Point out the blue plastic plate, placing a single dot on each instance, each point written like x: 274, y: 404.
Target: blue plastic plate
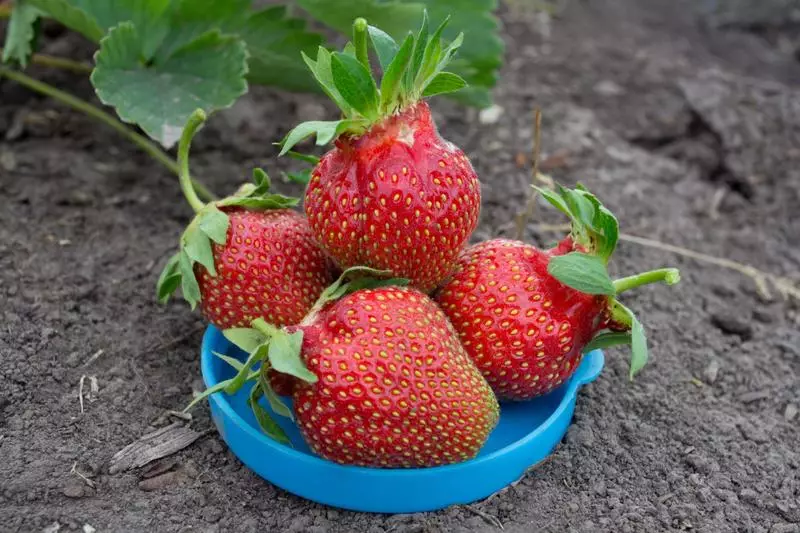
x: 526, y: 434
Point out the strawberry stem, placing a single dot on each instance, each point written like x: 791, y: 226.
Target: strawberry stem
x: 262, y: 326
x: 360, y: 41
x: 192, y: 125
x: 670, y: 276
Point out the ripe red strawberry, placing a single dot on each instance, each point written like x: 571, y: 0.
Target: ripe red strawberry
x: 245, y: 256
x: 527, y: 316
x: 383, y: 382
x: 392, y: 194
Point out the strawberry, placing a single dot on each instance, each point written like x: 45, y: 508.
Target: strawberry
x: 383, y: 380
x: 245, y: 256
x: 391, y: 194
x: 527, y: 316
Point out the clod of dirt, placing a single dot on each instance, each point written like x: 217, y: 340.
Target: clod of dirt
x: 74, y: 489
x: 169, y: 479
x: 711, y: 371
x: 731, y: 323
x: 790, y: 412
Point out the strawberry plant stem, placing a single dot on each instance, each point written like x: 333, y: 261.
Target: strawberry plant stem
x: 192, y: 125
x: 85, y: 107
x: 59, y: 63
x: 360, y: 41
x: 670, y: 276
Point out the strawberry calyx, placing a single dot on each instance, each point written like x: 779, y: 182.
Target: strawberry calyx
x: 412, y: 70
x: 280, y: 349
x: 594, y: 236
x: 210, y: 224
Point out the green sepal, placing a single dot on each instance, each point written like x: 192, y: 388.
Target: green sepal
x: 356, y: 85
x: 324, y: 130
x: 624, y: 317
x: 607, y: 339
x: 213, y: 223
x: 443, y: 83
x: 392, y: 81
x: 256, y: 196
x: 285, y: 355
x: 246, y: 339
x: 420, y: 43
x: 265, y: 421
x: 197, y: 246
x: 321, y: 70
x: 594, y: 227
x: 386, y: 48
x: 169, y: 280
x: 232, y: 361
x: 308, y: 158
x: 582, y: 272
x: 273, y: 399
x: 256, y: 356
x: 354, y: 279
x: 189, y: 285
x: 302, y: 177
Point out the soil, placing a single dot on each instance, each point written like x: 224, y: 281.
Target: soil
x: 684, y: 116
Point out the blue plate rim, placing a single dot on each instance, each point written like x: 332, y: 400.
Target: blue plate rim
x: 219, y: 399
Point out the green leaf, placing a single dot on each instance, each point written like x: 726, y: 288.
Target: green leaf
x: 384, y: 45
x: 214, y: 223
x: 21, y: 33
x: 189, y: 19
x: 273, y: 399
x: 189, y: 286
x: 274, y: 42
x: 285, y: 355
x: 582, y: 272
x: 207, y: 73
x: 197, y: 246
x: 272, y: 201
x: 444, y: 82
x: 265, y: 421
x: 247, y: 339
x: 169, y: 280
x: 355, y: 83
x: 325, y: 131
x: 232, y: 361
x: 392, y: 80
x: 607, y: 339
x: 308, y: 158
x: 236, y: 382
x: 72, y: 16
x: 554, y: 199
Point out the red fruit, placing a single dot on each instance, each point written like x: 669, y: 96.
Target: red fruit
x: 526, y: 316
x: 395, y: 387
x: 523, y: 328
x: 396, y: 198
x: 269, y: 267
x: 392, y: 194
x: 246, y: 256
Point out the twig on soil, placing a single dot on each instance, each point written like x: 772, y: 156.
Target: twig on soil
x: 74, y: 470
x: 141, y: 141
x: 58, y: 62
x: 716, y: 201
x: 523, y: 216
x: 93, y: 358
x: 80, y: 391
x: 784, y: 286
x: 491, y: 519
x: 156, y: 445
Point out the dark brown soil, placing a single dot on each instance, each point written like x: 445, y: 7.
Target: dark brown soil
x: 686, y: 123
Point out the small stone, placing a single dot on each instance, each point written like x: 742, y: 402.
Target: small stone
x: 490, y: 115
x: 211, y: 514
x: 608, y: 88
x: 600, y: 489
x: 711, y: 372
x: 753, y: 433
x: 749, y: 496
x: 790, y: 412
x: 216, y: 447
x: 73, y: 490
x: 729, y: 322
x: 88, y: 529
x: 160, y: 482
x: 7, y: 160
x: 52, y: 528
x: 765, y: 316
x: 785, y: 528
x: 723, y: 291
x: 754, y: 396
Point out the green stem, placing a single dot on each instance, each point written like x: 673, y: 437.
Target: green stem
x: 360, y: 41
x: 192, y: 125
x: 59, y: 63
x: 85, y: 107
x: 670, y: 276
